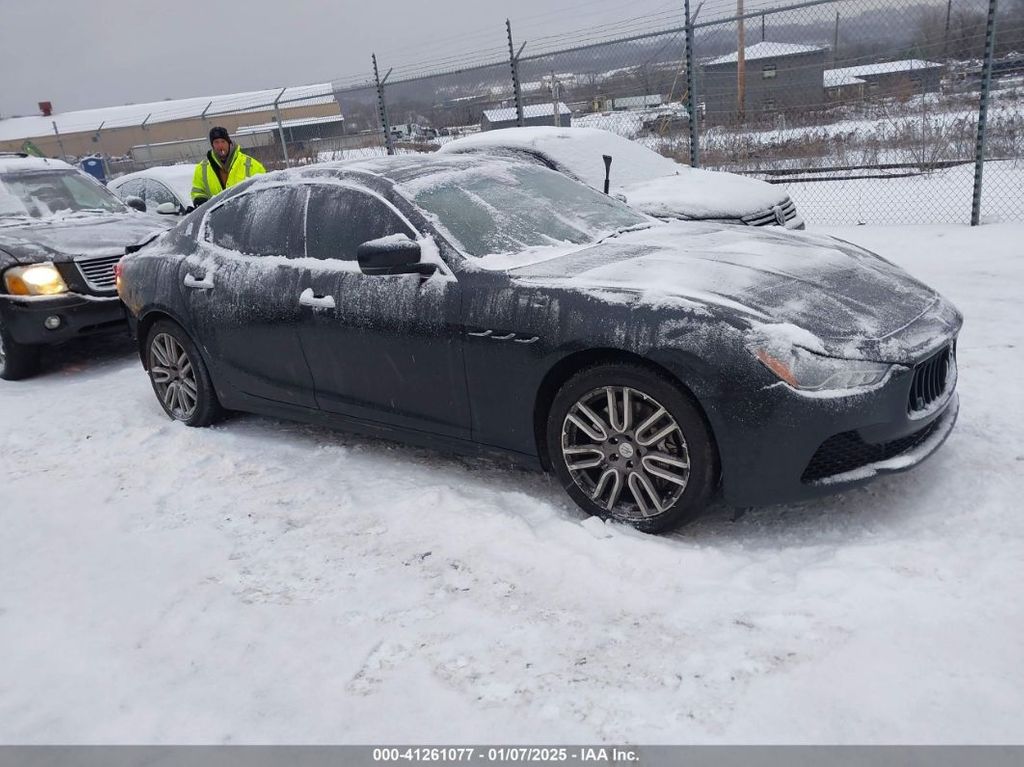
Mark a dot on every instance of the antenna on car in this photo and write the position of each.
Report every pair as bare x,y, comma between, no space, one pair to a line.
607,171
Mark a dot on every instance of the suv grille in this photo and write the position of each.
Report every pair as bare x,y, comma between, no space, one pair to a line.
931,380
98,271
847,451
786,211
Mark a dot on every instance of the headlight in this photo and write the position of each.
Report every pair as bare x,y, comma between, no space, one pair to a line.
34,280
807,371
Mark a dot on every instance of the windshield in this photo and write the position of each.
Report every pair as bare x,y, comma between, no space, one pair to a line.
504,208
41,194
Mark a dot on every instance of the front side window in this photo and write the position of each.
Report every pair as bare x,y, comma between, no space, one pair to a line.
341,219
266,222
503,208
134,188
41,194
157,194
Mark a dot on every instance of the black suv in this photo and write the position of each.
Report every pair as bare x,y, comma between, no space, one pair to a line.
61,233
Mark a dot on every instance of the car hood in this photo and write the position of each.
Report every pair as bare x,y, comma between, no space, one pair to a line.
841,299
64,239
693,193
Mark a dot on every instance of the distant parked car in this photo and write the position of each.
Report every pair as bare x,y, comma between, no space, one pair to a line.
161,186
649,182
496,307
61,232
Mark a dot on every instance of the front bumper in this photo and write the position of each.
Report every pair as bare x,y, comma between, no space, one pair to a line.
79,315
781,446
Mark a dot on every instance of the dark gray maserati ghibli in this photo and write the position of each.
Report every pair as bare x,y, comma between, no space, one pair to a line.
496,307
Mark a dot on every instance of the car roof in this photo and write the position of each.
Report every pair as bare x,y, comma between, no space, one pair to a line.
13,161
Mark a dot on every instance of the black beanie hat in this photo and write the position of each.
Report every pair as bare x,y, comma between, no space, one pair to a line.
219,132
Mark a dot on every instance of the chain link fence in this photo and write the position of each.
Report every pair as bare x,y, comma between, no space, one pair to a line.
866,111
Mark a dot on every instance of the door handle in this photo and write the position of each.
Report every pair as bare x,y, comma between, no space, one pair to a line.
307,298
206,283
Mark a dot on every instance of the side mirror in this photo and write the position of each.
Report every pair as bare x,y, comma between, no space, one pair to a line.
395,254
168,209
135,203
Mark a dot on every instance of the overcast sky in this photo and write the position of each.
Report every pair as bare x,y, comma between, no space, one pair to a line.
91,53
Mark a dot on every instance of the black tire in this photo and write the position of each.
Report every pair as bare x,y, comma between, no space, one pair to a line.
17,361
180,379
655,493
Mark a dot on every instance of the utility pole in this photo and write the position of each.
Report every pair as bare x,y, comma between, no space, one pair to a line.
741,63
835,43
945,37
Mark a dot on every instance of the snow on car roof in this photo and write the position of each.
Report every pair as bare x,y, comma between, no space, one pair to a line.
18,162
652,183
577,151
177,177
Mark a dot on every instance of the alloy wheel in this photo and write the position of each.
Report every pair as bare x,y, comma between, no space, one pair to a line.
173,376
626,452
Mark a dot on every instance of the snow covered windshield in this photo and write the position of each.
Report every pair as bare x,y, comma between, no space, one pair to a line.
508,208
41,194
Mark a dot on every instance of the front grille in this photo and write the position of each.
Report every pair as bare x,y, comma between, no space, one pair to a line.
98,271
931,380
847,452
787,210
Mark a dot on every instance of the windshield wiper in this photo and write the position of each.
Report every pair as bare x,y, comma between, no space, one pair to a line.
625,230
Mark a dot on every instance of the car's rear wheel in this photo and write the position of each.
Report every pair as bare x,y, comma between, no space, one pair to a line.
17,361
630,445
179,376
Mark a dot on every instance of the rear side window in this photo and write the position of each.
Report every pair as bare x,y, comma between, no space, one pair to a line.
340,220
266,222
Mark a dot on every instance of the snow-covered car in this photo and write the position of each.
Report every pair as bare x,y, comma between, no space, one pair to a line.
649,182
164,189
61,232
496,307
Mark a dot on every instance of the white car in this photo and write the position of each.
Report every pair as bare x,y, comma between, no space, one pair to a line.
649,182
156,187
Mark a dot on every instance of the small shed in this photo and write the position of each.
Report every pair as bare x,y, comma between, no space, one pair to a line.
889,78
533,115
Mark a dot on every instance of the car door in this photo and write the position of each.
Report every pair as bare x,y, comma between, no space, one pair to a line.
241,289
384,348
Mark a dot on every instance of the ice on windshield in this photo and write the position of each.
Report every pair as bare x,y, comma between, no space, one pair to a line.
503,209
52,193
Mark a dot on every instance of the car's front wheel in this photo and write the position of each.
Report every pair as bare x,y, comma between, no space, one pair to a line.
630,445
179,376
17,361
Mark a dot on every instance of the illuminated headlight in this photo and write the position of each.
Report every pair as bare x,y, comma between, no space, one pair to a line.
34,280
807,371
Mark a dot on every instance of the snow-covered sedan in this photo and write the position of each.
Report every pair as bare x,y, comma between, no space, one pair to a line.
61,232
163,189
497,307
648,181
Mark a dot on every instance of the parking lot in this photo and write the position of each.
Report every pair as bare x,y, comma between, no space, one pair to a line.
263,581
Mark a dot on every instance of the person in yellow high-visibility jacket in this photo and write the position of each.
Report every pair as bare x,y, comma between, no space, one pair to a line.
224,166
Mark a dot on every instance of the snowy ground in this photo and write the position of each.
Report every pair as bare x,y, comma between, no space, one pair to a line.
268,582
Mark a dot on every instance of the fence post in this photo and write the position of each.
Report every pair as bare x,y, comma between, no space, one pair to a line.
149,148
382,108
280,127
986,83
60,143
103,154
513,58
691,91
